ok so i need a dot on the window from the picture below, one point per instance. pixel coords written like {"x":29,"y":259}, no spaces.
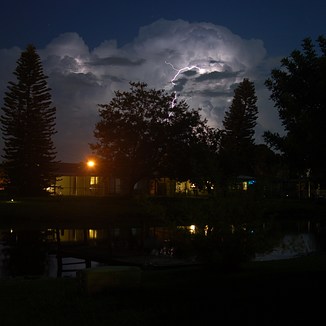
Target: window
{"x":94,"y":181}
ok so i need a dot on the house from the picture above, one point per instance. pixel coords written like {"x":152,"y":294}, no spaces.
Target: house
{"x":85,"y":179}
{"x":80,"y":179}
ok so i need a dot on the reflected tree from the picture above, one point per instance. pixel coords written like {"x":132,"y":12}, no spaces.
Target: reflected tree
{"x":26,"y":253}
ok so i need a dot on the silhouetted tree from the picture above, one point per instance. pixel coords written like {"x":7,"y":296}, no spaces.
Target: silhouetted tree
{"x":145,"y":133}
{"x":298,"y":91}
{"x":204,"y":166}
{"x":237,"y":149}
{"x":28,"y":124}
{"x":269,"y":171}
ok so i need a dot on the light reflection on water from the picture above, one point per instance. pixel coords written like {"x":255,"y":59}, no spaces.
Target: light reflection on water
{"x":70,"y":266}
{"x":292,"y":245}
{"x":28,"y":257}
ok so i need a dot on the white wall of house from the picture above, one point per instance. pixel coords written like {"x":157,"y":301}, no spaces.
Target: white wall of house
{"x":86,"y":186}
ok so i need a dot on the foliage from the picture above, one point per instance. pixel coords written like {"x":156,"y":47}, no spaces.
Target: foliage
{"x":269,"y":170}
{"x":28,"y":124}
{"x":146,"y":133}
{"x":298,"y":91}
{"x":237,"y":139}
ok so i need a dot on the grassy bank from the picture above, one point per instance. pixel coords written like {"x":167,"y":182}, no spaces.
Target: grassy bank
{"x":71,"y":212}
{"x":108,"y":211}
{"x":264,"y":293}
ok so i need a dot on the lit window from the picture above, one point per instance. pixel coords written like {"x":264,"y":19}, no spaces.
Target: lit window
{"x":192,"y":229}
{"x":94,"y":181}
{"x":92,"y":234}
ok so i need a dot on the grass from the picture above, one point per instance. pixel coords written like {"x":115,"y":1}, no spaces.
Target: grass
{"x":262,"y":293}
{"x":92,"y":212}
{"x":70,"y":212}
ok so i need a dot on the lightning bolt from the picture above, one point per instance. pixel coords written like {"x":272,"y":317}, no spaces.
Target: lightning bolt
{"x":178,"y":72}
{"x":174,"y":101}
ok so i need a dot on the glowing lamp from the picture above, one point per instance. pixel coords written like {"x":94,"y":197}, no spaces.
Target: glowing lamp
{"x":90,"y":164}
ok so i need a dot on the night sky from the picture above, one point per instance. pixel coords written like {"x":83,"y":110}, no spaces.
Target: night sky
{"x":200,"y":49}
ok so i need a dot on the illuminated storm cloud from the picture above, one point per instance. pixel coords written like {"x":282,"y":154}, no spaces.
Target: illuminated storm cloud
{"x":201,"y":62}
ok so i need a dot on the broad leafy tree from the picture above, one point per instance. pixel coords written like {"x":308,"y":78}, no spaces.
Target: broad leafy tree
{"x":298,"y":90}
{"x":28,"y":124}
{"x":237,"y":149}
{"x":145,"y":133}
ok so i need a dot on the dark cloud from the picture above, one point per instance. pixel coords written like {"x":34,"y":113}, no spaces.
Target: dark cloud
{"x":179,"y":85}
{"x":214,"y":93}
{"x":217,"y":75}
{"x":116,"y":61}
{"x":190,"y":73}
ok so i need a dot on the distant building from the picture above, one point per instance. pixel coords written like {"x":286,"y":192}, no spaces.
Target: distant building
{"x":81,"y":179}
{"x":77,"y":179}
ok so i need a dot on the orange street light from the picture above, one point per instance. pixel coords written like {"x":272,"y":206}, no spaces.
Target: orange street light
{"x":90,"y":163}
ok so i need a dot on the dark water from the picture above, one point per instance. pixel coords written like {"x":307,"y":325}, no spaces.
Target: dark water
{"x":34,"y":253}
{"x":50,"y":267}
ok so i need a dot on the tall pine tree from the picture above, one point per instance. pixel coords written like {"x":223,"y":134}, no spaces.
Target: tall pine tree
{"x":237,"y":143}
{"x":28,"y":124}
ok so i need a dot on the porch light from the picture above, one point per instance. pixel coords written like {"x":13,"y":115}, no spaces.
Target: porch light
{"x":90,"y":163}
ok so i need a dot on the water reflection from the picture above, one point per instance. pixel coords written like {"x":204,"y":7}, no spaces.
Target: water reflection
{"x":35,"y":253}
{"x":62,"y":252}
{"x":67,"y":266}
{"x":24,"y":253}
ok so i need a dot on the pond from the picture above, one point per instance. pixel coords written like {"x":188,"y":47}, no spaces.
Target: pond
{"x":52,"y":252}
{"x":34,"y":253}
{"x":291,"y":246}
